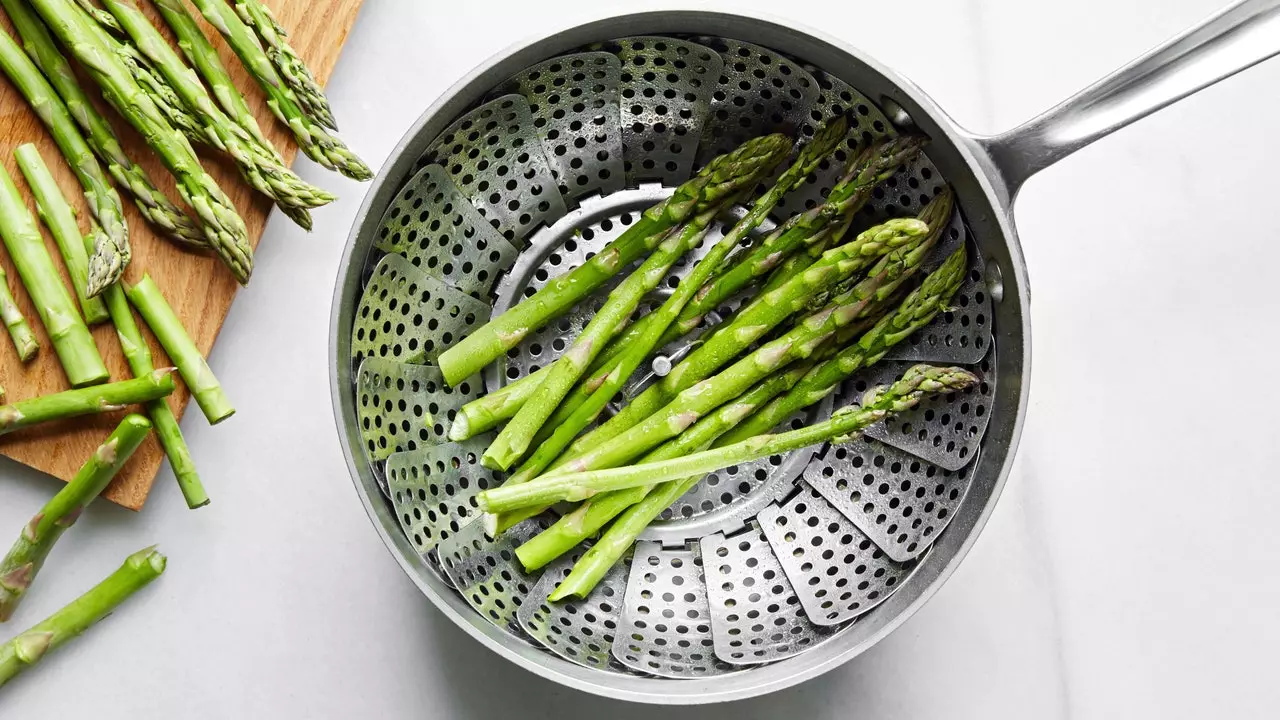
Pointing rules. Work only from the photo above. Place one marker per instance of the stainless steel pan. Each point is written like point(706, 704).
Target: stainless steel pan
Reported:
point(728, 76)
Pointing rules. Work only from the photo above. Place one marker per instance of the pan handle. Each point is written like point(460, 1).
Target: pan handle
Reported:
point(1238, 37)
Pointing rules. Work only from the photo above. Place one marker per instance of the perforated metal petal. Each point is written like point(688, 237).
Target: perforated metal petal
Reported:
point(756, 615)
point(496, 160)
point(836, 570)
point(581, 631)
point(945, 429)
point(665, 626)
point(900, 501)
point(758, 92)
point(434, 227)
point(486, 572)
point(406, 407)
point(666, 96)
point(433, 489)
point(574, 101)
point(962, 334)
point(408, 316)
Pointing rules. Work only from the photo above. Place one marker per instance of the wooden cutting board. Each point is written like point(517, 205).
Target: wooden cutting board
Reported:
point(197, 286)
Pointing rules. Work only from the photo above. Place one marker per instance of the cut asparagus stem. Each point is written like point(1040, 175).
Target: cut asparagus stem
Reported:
point(223, 228)
point(590, 398)
point(513, 442)
point(157, 209)
point(28, 648)
point(24, 338)
point(68, 333)
point(18, 569)
point(758, 318)
point(844, 424)
point(313, 139)
point(138, 356)
point(61, 221)
point(85, 401)
point(914, 312)
point(851, 192)
point(723, 177)
point(108, 261)
point(292, 69)
point(206, 389)
point(260, 166)
point(587, 519)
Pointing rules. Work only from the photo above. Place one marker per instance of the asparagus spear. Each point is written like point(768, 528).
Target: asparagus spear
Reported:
point(261, 167)
point(722, 178)
point(18, 569)
point(295, 73)
point(138, 356)
point(796, 264)
point(223, 228)
point(810, 229)
point(844, 423)
point(28, 648)
point(102, 17)
point(24, 339)
point(71, 339)
point(513, 442)
point(314, 140)
point(85, 401)
point(591, 515)
point(206, 389)
point(108, 261)
point(61, 221)
point(154, 206)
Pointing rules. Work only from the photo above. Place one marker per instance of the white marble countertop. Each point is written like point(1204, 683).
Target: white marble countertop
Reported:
point(1122, 575)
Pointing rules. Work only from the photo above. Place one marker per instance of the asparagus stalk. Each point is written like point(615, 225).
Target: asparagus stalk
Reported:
point(61, 221)
point(797, 263)
point(24, 338)
point(152, 204)
point(513, 442)
point(806, 230)
point(844, 424)
point(18, 569)
point(71, 339)
point(591, 515)
point(108, 261)
point(85, 401)
point(261, 167)
point(206, 389)
point(295, 73)
point(223, 228)
point(918, 309)
point(314, 140)
point(28, 648)
point(138, 356)
point(102, 17)
point(723, 177)
point(759, 317)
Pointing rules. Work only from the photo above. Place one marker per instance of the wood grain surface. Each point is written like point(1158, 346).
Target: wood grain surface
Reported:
point(197, 286)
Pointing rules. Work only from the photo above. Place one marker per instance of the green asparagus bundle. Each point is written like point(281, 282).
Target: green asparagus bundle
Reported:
point(683, 473)
point(173, 337)
point(18, 569)
point(224, 229)
point(85, 401)
point(68, 333)
point(312, 138)
point(61, 221)
point(819, 228)
point(107, 261)
point(722, 178)
point(295, 73)
point(264, 170)
point(24, 339)
point(138, 356)
point(154, 206)
point(28, 648)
